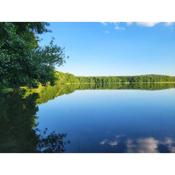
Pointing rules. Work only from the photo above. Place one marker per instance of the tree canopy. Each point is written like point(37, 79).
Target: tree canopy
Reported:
point(22, 60)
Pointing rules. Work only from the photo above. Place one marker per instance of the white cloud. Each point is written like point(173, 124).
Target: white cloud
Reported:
point(147, 145)
point(150, 24)
point(147, 24)
point(141, 145)
point(109, 142)
point(117, 27)
point(168, 23)
point(104, 23)
point(103, 142)
point(144, 145)
point(113, 143)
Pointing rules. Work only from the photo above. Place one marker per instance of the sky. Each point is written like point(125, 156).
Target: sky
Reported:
point(132, 48)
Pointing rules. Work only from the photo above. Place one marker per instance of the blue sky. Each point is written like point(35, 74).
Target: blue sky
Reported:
point(115, 48)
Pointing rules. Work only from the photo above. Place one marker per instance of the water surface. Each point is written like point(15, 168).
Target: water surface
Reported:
point(89, 119)
point(113, 120)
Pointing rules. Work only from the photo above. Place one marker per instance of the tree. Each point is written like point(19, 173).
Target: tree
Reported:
point(22, 61)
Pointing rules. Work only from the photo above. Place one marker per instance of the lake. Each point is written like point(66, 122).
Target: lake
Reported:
point(90, 120)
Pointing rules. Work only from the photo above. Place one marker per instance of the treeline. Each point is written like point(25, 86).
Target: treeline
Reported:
point(104, 82)
point(67, 78)
point(127, 79)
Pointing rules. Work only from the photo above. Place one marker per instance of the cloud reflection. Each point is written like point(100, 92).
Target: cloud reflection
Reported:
point(140, 145)
point(111, 142)
point(143, 145)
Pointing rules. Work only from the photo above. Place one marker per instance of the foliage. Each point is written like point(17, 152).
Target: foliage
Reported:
point(22, 60)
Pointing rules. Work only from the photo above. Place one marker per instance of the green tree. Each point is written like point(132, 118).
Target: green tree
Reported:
point(22, 60)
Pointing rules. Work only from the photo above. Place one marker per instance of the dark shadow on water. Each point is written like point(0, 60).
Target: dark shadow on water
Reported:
point(18, 128)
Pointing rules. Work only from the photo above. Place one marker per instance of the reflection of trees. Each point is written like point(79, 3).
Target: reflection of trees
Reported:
point(18, 131)
point(52, 143)
point(50, 92)
point(141, 86)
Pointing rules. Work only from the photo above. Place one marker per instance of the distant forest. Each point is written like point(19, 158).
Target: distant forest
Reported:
point(128, 79)
point(69, 78)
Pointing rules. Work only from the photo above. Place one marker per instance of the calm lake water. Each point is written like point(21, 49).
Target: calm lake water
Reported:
point(90, 121)
point(113, 120)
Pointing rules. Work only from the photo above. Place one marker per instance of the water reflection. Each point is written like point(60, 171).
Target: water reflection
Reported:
point(18, 127)
point(50, 92)
point(140, 145)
